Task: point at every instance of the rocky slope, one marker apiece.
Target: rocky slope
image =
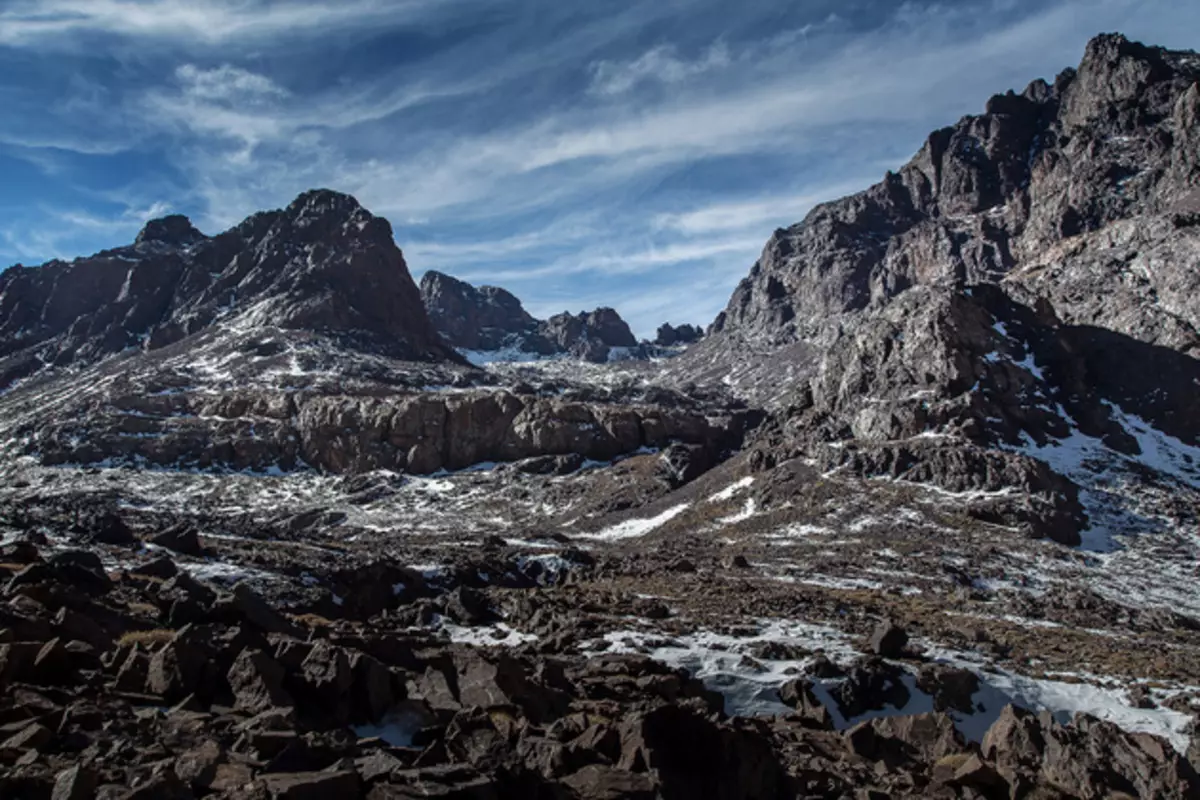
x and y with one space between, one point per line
917 519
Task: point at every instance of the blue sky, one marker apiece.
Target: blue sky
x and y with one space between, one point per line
633 154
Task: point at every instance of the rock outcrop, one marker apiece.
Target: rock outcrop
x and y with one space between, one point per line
488 318
479 318
590 335
417 433
669 335
1038 192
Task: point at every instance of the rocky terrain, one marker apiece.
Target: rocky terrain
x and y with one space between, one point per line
918 517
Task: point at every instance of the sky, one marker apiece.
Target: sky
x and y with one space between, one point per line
621 153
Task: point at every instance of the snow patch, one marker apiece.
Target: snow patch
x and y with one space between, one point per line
729 491
633 528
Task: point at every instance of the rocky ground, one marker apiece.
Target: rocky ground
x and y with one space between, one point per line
560 627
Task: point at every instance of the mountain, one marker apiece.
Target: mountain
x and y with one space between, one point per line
1086 184
916 518
1026 281
491 319
298 341
324 264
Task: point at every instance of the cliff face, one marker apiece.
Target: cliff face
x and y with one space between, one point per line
323 264
1088 183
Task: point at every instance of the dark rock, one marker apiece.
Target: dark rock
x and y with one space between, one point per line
888 640
588 335
257 682
469 607
198 767
671 335
311 261
104 528
870 685
245 604
82 568
180 539
75 783
681 464
1087 758
312 785
923 738
799 695
161 568
177 670
822 667
53 665
599 782
483 318
34 736
951 688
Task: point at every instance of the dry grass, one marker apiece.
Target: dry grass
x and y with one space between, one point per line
145 609
147 638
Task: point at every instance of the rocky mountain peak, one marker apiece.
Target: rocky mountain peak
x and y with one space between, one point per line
324 265
174 230
990 195
474 318
488 318
325 206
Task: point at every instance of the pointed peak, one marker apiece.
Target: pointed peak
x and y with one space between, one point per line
324 202
175 230
1109 48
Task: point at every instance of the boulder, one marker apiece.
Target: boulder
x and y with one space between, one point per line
181 538
257 682
888 640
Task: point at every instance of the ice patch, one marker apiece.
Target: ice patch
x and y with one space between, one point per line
548 566
397 728
797 532
750 685
224 572
999 688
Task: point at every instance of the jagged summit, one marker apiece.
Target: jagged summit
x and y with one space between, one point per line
174 230
996 196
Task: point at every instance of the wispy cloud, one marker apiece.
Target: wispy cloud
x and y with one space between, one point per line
227 84
636 154
55 23
660 64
